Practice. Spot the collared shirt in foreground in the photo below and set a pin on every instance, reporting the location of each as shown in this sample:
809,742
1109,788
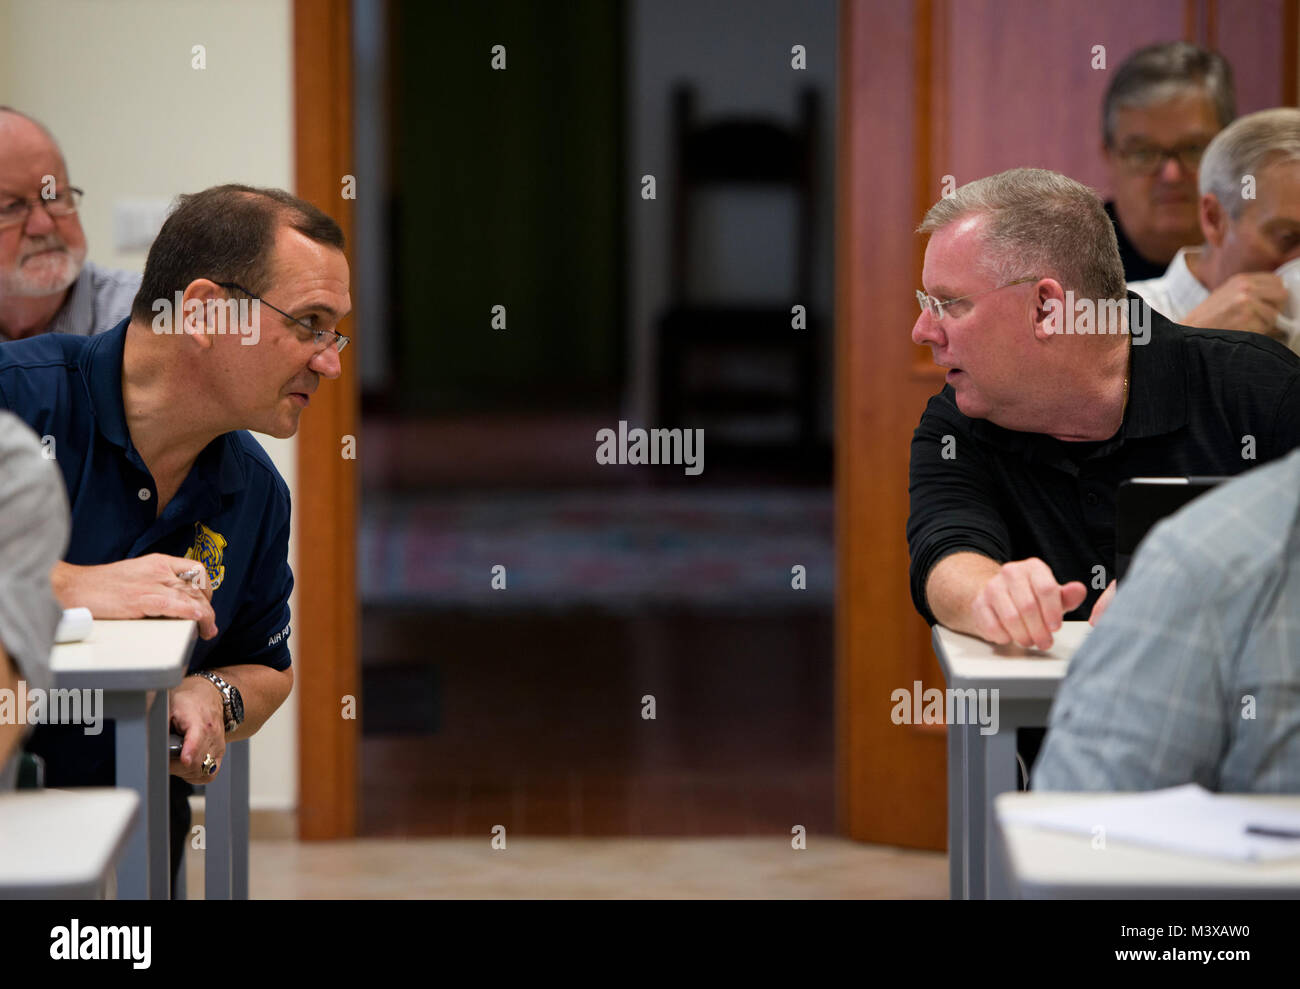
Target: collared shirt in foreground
231,513
1207,402
33,533
98,300
1193,673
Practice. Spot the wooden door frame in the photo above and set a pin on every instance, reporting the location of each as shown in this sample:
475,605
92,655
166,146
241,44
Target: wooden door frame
325,495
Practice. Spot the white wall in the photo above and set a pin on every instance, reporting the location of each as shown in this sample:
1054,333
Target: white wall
114,82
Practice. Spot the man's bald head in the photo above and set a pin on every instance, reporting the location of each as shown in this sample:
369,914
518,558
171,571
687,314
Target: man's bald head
14,124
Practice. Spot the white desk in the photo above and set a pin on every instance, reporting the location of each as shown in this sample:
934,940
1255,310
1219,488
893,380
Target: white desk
127,660
62,844
982,766
1047,864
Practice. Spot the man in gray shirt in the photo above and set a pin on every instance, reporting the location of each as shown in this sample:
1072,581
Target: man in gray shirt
1193,674
46,284
33,535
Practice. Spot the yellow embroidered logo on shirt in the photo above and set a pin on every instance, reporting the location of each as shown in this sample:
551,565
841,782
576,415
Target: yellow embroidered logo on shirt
207,550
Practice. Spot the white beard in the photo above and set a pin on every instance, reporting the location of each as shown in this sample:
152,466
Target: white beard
47,274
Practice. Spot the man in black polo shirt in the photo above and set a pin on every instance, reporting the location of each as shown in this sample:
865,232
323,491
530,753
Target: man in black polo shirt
1016,462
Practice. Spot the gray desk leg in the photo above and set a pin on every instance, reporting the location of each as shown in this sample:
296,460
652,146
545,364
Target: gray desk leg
225,860
238,755
957,835
1002,775
973,811
143,873
216,823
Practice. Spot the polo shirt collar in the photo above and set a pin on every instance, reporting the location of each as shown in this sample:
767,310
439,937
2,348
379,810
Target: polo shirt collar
1157,388
219,465
101,368
1157,392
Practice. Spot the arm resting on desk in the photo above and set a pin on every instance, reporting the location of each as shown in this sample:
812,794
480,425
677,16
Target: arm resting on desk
1018,602
952,586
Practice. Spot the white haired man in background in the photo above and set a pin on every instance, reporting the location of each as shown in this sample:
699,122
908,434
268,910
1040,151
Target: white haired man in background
1250,218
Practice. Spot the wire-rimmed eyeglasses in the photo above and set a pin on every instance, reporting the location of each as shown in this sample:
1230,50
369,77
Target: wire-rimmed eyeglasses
326,337
935,306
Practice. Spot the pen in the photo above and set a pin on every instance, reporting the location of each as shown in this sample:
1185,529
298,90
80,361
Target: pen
1259,829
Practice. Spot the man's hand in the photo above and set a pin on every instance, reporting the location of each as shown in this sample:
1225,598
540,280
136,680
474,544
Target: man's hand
1248,301
198,715
1023,603
153,586
1102,604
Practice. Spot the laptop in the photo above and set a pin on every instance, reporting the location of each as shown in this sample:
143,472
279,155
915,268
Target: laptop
1143,501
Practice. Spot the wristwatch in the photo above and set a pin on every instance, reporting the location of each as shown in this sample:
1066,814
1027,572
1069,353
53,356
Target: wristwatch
232,702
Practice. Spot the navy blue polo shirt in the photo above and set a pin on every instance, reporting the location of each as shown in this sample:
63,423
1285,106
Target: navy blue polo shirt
231,512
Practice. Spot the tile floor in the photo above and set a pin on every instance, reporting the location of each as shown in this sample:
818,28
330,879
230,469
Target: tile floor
587,868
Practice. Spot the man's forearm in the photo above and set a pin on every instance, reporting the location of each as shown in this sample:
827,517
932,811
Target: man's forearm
262,690
953,585
60,583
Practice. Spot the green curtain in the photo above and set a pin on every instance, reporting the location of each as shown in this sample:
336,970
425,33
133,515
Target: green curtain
508,190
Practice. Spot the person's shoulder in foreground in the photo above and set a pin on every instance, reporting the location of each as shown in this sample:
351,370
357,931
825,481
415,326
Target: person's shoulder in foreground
33,533
1193,675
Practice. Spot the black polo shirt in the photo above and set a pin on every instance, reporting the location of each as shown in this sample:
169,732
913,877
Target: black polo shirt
231,513
1136,267
1194,397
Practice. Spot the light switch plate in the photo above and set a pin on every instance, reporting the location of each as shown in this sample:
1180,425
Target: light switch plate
136,222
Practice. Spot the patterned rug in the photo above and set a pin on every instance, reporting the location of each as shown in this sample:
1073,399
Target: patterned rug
615,550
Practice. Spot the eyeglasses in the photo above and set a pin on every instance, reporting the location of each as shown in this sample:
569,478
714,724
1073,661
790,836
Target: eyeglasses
324,338
935,307
1147,160
64,202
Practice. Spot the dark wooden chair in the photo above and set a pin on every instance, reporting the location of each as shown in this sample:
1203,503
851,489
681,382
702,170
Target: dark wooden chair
702,345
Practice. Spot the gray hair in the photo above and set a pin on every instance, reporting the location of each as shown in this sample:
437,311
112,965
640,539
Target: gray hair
1244,148
1159,73
1041,224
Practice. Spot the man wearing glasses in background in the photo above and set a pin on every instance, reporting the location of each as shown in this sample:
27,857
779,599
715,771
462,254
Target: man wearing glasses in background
1161,110
176,511
46,283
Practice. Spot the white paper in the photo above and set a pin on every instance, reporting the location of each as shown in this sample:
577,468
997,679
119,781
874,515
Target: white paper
1182,819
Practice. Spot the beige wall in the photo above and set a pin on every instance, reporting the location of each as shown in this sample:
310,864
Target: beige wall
114,82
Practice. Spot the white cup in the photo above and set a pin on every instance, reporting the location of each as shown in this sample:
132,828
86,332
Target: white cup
1288,319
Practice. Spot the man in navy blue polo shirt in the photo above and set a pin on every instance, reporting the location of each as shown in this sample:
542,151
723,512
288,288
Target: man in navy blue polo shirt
176,512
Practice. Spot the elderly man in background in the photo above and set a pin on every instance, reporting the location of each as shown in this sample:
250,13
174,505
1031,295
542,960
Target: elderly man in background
1016,462
46,283
1250,219
1161,109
